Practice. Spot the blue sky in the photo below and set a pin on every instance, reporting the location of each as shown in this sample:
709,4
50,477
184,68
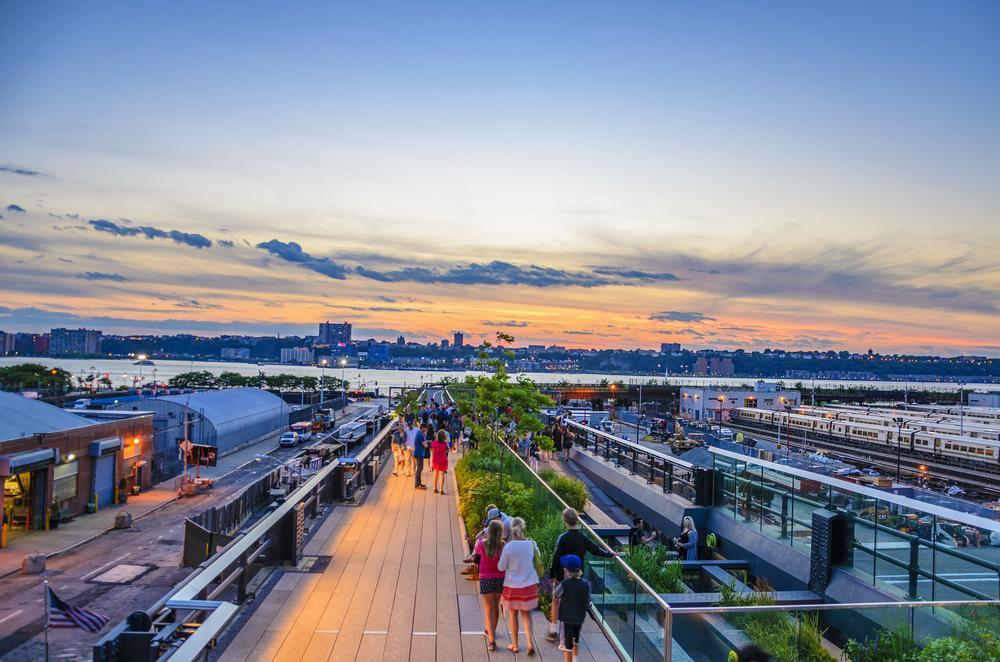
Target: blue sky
817,175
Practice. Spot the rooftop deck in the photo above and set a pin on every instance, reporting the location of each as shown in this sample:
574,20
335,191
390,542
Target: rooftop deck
392,590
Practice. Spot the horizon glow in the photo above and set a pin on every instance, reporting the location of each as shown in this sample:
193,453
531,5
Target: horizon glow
804,177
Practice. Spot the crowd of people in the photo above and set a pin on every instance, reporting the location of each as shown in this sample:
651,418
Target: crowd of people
430,432
506,562
510,569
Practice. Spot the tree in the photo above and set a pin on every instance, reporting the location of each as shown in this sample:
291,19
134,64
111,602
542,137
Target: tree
331,384
104,381
495,401
309,383
195,379
232,380
33,375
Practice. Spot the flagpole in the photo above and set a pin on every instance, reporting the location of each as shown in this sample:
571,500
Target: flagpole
46,583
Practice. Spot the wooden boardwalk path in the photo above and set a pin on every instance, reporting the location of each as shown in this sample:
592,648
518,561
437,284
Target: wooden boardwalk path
392,590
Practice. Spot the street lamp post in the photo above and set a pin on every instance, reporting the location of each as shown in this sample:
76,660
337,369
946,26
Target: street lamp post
141,358
722,400
899,420
343,380
961,408
322,380
638,414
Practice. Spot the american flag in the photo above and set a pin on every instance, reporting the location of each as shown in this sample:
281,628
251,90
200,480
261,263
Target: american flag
62,615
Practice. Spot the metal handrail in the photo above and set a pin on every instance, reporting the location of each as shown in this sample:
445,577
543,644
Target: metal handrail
628,444
844,486
833,606
632,573
214,568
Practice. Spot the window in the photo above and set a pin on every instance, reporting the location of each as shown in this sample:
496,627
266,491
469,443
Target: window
64,480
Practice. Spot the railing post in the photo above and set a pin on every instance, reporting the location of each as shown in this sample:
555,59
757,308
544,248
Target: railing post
668,480
241,586
632,470
914,565
784,514
652,471
668,635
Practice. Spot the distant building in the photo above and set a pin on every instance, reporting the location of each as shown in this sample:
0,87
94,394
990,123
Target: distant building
24,343
669,347
296,355
228,419
444,344
716,366
6,343
985,399
74,341
335,335
536,348
459,340
41,343
713,404
379,354
238,353
401,341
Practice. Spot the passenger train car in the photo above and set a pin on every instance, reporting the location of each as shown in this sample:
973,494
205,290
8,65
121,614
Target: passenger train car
935,443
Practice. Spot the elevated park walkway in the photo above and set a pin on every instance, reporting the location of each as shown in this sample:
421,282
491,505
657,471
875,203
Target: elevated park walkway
355,564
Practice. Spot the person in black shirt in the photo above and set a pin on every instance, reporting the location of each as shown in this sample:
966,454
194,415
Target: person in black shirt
637,534
572,541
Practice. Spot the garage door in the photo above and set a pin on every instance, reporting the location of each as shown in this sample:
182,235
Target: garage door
105,481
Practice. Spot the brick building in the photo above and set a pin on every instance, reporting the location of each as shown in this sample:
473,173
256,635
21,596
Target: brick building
52,456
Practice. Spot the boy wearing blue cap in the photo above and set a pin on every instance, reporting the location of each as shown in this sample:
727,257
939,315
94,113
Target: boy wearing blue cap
572,597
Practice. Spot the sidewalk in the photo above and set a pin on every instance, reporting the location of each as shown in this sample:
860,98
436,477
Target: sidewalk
85,527
81,529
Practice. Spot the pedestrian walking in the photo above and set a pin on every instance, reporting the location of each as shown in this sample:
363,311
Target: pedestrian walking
572,541
399,446
573,593
521,562
412,431
487,556
420,449
439,459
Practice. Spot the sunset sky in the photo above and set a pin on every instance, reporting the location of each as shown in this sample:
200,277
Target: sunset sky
797,175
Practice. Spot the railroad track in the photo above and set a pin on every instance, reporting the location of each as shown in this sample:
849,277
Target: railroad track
980,480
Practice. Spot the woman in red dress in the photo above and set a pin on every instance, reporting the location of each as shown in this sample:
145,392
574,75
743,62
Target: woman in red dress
439,459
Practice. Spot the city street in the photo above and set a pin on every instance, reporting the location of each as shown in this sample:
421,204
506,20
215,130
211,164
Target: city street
124,570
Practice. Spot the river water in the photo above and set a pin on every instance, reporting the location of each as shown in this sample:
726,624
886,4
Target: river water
122,371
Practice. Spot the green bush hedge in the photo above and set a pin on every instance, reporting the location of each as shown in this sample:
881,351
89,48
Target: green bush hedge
571,490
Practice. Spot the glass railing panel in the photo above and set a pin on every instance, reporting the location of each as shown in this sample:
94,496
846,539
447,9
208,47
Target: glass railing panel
828,633
965,563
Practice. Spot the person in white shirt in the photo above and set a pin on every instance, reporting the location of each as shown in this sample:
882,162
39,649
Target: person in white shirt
411,443
520,560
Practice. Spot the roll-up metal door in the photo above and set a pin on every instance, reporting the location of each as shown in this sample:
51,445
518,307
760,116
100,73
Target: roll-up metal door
104,484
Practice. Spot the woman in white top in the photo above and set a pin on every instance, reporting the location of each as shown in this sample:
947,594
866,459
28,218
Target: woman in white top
520,582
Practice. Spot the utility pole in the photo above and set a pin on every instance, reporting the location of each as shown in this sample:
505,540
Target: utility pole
961,408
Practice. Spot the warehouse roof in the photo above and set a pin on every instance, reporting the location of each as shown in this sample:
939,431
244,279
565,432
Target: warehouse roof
229,404
22,417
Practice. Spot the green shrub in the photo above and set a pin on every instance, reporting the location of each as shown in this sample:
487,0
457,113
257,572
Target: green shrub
545,443
653,565
569,489
786,639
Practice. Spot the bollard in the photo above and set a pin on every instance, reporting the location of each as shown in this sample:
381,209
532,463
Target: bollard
33,564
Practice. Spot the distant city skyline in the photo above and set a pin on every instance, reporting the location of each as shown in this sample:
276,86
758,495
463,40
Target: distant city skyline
588,175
